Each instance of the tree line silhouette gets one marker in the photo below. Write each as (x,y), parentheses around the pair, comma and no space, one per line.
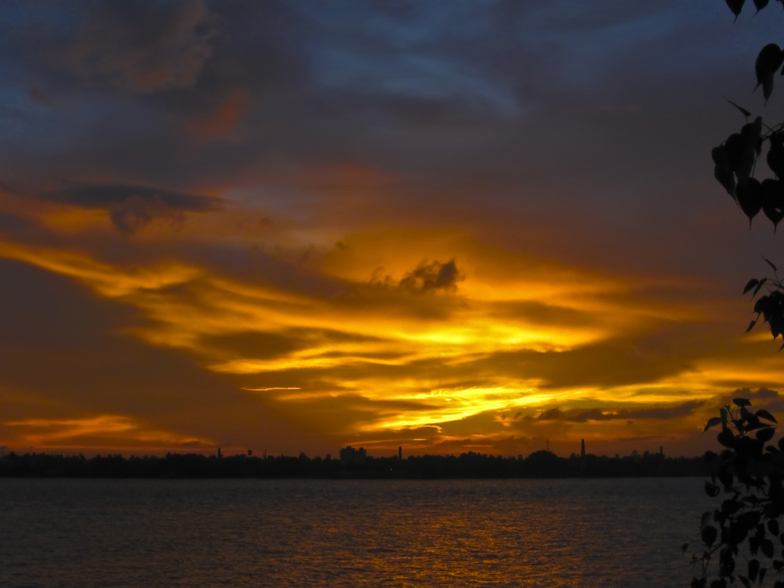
(540,464)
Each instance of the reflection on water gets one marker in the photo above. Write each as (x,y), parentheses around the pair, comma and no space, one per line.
(348,533)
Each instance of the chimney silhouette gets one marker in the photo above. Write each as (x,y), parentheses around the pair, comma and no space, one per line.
(582,448)
(400,453)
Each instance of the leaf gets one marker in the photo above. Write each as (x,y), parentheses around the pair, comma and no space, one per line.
(754,566)
(766,434)
(764,414)
(730,507)
(727,564)
(767,548)
(757,289)
(773,526)
(711,490)
(749,194)
(760,4)
(750,284)
(773,201)
(751,325)
(745,581)
(763,306)
(768,62)
(762,573)
(712,423)
(775,157)
(745,112)
(709,535)
(741,402)
(770,263)
(723,171)
(726,438)
(740,155)
(736,6)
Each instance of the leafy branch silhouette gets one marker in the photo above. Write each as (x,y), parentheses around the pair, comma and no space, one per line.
(746,524)
(735,164)
(740,537)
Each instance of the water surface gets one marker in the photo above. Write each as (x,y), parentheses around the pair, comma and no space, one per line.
(548,533)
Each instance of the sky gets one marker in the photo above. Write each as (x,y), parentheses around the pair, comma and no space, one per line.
(449,226)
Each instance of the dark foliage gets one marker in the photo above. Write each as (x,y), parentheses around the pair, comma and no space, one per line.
(741,538)
(735,164)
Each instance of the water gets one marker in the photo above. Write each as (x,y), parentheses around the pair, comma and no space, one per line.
(547,533)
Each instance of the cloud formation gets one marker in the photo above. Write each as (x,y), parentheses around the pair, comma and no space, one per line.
(132,207)
(597,414)
(512,170)
(143,48)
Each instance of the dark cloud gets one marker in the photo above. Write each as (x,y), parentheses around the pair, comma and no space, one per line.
(131,206)
(432,276)
(596,414)
(269,345)
(553,414)
(13,223)
(761,394)
(427,277)
(762,398)
(142,47)
(672,412)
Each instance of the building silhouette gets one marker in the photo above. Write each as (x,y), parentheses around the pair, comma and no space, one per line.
(351,456)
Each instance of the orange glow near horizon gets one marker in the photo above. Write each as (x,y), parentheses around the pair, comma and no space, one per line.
(401,357)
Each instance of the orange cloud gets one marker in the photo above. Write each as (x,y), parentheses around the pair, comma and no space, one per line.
(514,334)
(104,431)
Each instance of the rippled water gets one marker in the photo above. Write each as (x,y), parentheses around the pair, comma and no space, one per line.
(348,533)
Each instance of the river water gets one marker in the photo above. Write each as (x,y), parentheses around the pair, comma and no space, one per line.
(199,533)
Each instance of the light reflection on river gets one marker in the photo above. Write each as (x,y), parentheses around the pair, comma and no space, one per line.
(595,533)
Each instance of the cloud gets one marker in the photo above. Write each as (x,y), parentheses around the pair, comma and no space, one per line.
(145,47)
(553,414)
(108,430)
(670,412)
(130,206)
(426,277)
(432,276)
(69,359)
(761,394)
(222,120)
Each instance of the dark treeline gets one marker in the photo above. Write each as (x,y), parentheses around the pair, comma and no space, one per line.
(540,464)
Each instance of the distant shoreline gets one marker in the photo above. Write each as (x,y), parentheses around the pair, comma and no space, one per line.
(538,465)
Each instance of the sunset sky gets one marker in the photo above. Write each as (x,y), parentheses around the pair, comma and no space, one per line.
(446,225)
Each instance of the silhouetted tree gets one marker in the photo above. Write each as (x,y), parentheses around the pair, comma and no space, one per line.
(741,536)
(736,161)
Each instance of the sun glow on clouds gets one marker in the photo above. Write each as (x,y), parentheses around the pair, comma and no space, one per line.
(417,356)
(358,258)
(111,430)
